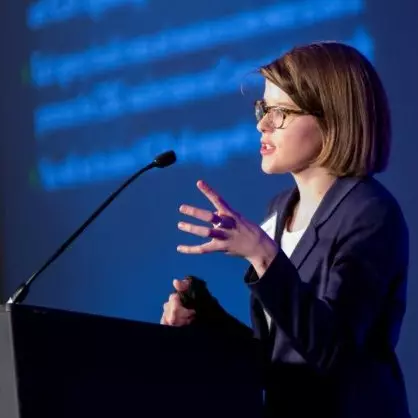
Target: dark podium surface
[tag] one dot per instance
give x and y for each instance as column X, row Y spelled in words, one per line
column 65, row 364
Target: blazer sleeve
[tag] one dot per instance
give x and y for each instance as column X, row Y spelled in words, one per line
column 211, row 315
column 369, row 255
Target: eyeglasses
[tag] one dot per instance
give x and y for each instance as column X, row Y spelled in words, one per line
column 276, row 115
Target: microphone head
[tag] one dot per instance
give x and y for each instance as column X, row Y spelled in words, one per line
column 165, row 159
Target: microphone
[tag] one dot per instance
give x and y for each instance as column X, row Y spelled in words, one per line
column 165, row 159
column 161, row 161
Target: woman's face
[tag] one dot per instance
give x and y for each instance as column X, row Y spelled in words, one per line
column 295, row 145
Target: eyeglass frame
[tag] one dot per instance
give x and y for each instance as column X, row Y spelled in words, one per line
column 286, row 112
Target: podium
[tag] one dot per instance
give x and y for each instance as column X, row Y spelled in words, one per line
column 62, row 364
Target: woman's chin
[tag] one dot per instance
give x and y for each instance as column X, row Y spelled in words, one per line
column 269, row 167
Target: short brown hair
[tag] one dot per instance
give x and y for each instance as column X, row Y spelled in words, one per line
column 339, row 83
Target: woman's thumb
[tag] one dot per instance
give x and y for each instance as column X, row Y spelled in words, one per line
column 181, row 285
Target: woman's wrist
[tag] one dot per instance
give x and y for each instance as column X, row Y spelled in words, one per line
column 264, row 257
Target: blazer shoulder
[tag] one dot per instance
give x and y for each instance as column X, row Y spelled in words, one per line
column 373, row 207
column 373, row 195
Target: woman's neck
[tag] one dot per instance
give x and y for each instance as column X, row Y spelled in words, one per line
column 312, row 185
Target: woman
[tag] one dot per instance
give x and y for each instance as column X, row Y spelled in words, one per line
column 328, row 268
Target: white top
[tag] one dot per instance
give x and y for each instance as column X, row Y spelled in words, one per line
column 290, row 240
column 288, row 244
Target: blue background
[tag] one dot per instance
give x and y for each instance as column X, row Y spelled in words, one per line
column 93, row 90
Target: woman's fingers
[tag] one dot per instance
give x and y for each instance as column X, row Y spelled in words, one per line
column 208, row 247
column 202, row 231
column 175, row 313
column 217, row 201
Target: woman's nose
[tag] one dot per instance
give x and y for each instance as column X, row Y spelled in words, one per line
column 262, row 125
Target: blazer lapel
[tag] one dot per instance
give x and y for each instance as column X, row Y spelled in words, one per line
column 304, row 246
column 329, row 203
column 284, row 208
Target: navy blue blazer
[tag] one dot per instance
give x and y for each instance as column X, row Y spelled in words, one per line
column 336, row 308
